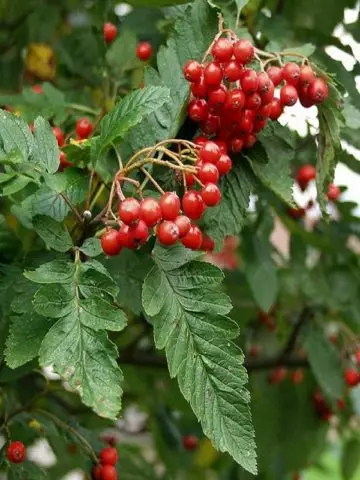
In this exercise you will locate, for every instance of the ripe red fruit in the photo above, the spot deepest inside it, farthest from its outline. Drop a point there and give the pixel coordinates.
(140, 232)
(200, 140)
(232, 71)
(125, 237)
(193, 204)
(211, 125)
(253, 102)
(275, 74)
(192, 71)
(297, 376)
(306, 76)
(224, 164)
(207, 244)
(217, 97)
(170, 206)
(109, 473)
(278, 375)
(249, 82)
(110, 242)
(246, 124)
(288, 95)
(193, 239)
(190, 442)
(189, 179)
(268, 96)
(351, 377)
(109, 456)
(84, 128)
(183, 223)
(237, 144)
(97, 472)
(318, 91)
(210, 153)
(259, 125)
(150, 211)
(304, 97)
(129, 210)
(244, 51)
(59, 135)
(296, 213)
(276, 109)
(221, 144)
(249, 140)
(110, 32)
(235, 99)
(305, 174)
(208, 173)
(64, 162)
(265, 84)
(291, 73)
(16, 452)
(37, 89)
(198, 110)
(211, 194)
(199, 89)
(168, 233)
(143, 51)
(264, 112)
(333, 192)
(222, 50)
(213, 74)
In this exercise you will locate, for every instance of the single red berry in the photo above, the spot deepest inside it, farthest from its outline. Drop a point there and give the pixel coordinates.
(222, 50)
(211, 194)
(193, 71)
(200, 140)
(237, 144)
(264, 112)
(275, 74)
(254, 350)
(168, 232)
(224, 164)
(143, 51)
(217, 97)
(291, 73)
(59, 135)
(235, 99)
(305, 174)
(304, 97)
(183, 223)
(16, 452)
(129, 210)
(198, 110)
(244, 51)
(306, 76)
(110, 242)
(268, 96)
(84, 128)
(208, 173)
(351, 377)
(278, 375)
(221, 144)
(150, 211)
(209, 153)
(64, 162)
(37, 89)
(246, 124)
(259, 125)
(139, 232)
(97, 472)
(207, 244)
(333, 192)
(296, 213)
(211, 124)
(250, 140)
(189, 179)
(190, 442)
(213, 74)
(265, 83)
(193, 239)
(297, 376)
(253, 102)
(109, 456)
(249, 82)
(193, 204)
(199, 89)
(288, 95)
(318, 91)
(341, 404)
(170, 206)
(125, 237)
(233, 71)
(109, 472)
(357, 357)
(110, 32)
(276, 109)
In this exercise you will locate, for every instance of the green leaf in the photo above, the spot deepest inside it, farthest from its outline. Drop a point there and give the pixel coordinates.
(98, 314)
(94, 282)
(325, 362)
(53, 233)
(350, 459)
(57, 271)
(15, 134)
(46, 152)
(91, 247)
(26, 471)
(187, 310)
(155, 3)
(54, 300)
(307, 50)
(121, 56)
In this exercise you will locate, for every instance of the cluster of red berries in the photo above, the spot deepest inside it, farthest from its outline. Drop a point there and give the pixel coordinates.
(106, 470)
(143, 49)
(280, 373)
(234, 102)
(16, 452)
(321, 406)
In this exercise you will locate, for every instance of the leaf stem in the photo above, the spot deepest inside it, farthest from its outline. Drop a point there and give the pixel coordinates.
(82, 108)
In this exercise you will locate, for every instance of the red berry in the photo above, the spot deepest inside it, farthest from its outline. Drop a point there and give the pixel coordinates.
(217, 97)
(221, 144)
(190, 442)
(222, 50)
(199, 89)
(211, 124)
(249, 82)
(333, 192)
(183, 223)
(259, 125)
(305, 174)
(211, 194)
(37, 89)
(268, 96)
(84, 128)
(150, 211)
(97, 472)
(109, 456)
(351, 377)
(265, 84)
(304, 97)
(278, 375)
(198, 110)
(143, 51)
(140, 232)
(16, 452)
(264, 112)
(129, 210)
(291, 73)
(168, 233)
(110, 242)
(193, 204)
(210, 153)
(200, 140)
(254, 350)
(237, 144)
(59, 135)
(276, 109)
(207, 244)
(249, 140)
(318, 91)
(193, 239)
(189, 179)
(235, 99)
(213, 74)
(110, 32)
(296, 213)
(224, 164)
(233, 71)
(170, 206)
(275, 74)
(244, 51)
(109, 473)
(306, 76)
(288, 95)
(192, 71)
(341, 404)
(253, 102)
(64, 162)
(125, 237)
(246, 124)
(208, 173)
(297, 376)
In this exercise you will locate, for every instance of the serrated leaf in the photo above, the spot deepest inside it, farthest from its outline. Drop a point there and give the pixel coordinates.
(46, 152)
(14, 185)
(121, 56)
(91, 247)
(98, 314)
(54, 300)
(57, 271)
(187, 310)
(350, 459)
(53, 233)
(94, 282)
(15, 134)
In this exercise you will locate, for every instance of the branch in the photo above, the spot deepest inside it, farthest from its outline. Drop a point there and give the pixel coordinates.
(304, 317)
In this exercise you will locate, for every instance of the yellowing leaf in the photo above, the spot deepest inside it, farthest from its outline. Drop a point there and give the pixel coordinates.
(40, 61)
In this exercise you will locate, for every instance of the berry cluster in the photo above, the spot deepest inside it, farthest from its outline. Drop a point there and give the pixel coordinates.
(16, 452)
(234, 102)
(106, 470)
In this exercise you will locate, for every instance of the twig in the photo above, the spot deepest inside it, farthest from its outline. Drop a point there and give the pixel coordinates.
(73, 208)
(304, 317)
